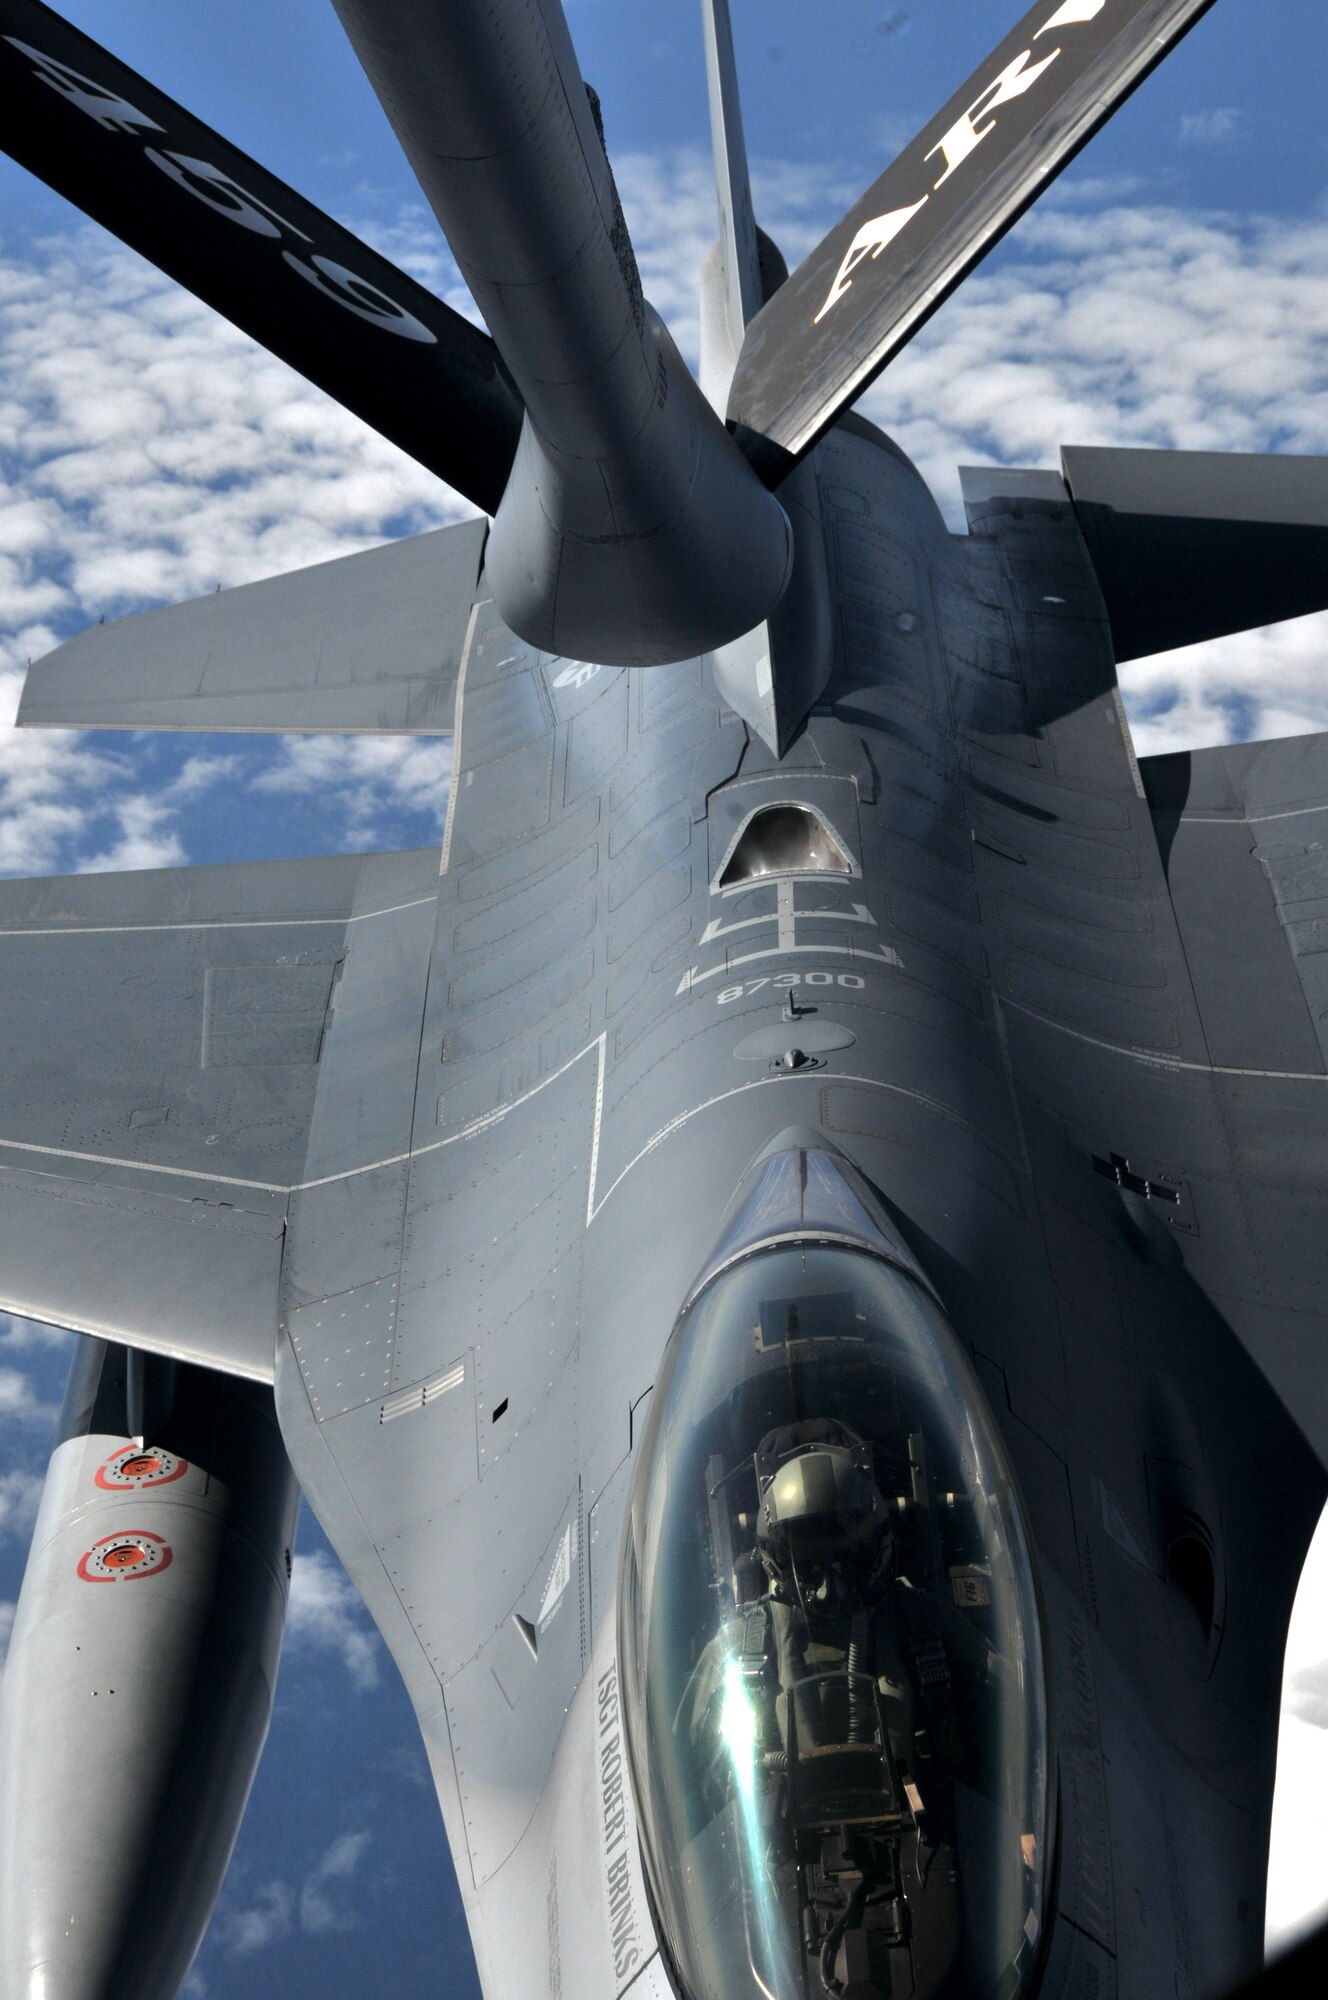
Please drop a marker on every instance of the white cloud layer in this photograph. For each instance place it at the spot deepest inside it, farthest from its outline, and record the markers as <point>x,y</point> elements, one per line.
<point>149,454</point>
<point>1297,1878</point>
<point>320,1904</point>
<point>1210,128</point>
<point>325,1613</point>
<point>1127,326</point>
<point>20,1497</point>
<point>263,1922</point>
<point>19,1397</point>
<point>370,776</point>
<point>323,1899</point>
<point>16,1332</point>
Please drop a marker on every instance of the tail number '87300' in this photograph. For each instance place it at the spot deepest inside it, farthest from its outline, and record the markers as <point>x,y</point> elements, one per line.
<point>784,982</point>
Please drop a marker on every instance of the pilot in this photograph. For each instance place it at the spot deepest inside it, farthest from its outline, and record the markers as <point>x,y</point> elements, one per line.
<point>820,1621</point>
<point>827,1548</point>
<point>831,1649</point>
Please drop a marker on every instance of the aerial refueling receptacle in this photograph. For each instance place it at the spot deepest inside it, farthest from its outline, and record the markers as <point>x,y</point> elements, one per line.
<point>625,479</point>
<point>139,1683</point>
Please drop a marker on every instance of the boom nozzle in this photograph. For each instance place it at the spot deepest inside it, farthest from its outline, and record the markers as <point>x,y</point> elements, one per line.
<point>632,530</point>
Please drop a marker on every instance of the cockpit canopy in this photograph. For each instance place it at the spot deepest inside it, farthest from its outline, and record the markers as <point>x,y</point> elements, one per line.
<point>830,1643</point>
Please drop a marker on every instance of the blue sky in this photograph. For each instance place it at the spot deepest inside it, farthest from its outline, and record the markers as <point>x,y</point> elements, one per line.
<point>1174,291</point>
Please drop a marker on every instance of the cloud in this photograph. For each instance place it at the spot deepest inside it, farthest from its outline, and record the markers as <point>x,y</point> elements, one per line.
<point>326,1613</point>
<point>1255,684</point>
<point>1129,326</point>
<point>173,489</point>
<point>1297,1891</point>
<point>17,1332</point>
<point>20,1497</point>
<point>372,776</point>
<point>1306,1694</point>
<point>151,453</point>
<point>408,1762</point>
<point>1101,321</point>
<point>49,782</point>
<point>145,838</point>
<point>265,1921</point>
<point>318,1906</point>
<point>1210,128</point>
<point>18,1398</point>
<point>146,835</point>
<point>323,1905</point>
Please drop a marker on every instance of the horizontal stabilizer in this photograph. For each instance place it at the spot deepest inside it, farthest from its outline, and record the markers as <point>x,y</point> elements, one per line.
<point>939,207</point>
<point>239,238</point>
<point>161,1035</point>
<point>369,642</point>
<point>1192,545</point>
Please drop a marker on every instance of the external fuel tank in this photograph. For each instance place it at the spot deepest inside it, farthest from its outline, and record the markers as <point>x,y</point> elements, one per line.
<point>140,1677</point>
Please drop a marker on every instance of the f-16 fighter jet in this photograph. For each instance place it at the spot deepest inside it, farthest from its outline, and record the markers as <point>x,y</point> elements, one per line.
<point>787,1255</point>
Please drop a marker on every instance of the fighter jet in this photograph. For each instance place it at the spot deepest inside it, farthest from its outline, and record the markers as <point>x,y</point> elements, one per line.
<point>787,1254</point>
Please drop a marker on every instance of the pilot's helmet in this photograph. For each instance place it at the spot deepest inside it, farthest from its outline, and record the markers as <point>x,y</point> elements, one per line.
<point>821,1507</point>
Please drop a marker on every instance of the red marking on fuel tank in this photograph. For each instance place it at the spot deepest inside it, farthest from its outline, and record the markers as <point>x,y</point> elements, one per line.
<point>124,1557</point>
<point>132,1467</point>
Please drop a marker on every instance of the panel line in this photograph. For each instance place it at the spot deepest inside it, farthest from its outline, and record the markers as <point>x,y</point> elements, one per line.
<point>1160,1061</point>
<point>213,923</point>
<point>445,854</point>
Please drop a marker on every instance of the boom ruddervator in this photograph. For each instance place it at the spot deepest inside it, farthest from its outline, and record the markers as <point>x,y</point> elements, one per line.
<point>831,1651</point>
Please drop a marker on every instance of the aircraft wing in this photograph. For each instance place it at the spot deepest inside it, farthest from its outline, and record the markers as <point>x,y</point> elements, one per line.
<point>1184,1049</point>
<point>1241,832</point>
<point>161,1034</point>
<point>1191,545</point>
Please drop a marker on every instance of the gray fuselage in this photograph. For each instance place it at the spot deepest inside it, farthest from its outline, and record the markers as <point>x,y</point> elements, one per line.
<point>1007,1034</point>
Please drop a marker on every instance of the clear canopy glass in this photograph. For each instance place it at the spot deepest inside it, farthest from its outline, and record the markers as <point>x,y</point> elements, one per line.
<point>832,1665</point>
